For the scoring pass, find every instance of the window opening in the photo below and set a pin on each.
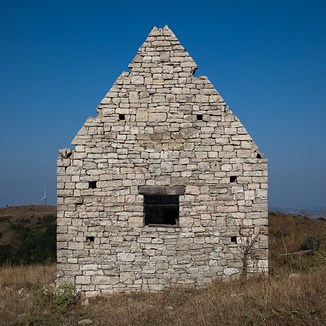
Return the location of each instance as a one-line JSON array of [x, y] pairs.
[[161, 209], [233, 179], [90, 239], [259, 155], [199, 117], [92, 184], [233, 239], [122, 117]]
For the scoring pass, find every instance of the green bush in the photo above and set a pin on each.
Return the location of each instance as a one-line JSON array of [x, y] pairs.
[[310, 243], [5, 254], [32, 246], [61, 297], [65, 296]]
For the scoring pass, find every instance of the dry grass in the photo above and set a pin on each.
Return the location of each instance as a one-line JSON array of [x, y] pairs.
[[28, 277], [17, 287], [294, 294], [298, 299], [287, 233]]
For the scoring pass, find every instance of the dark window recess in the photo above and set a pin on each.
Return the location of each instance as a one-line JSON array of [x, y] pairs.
[[234, 239], [259, 155], [161, 209], [90, 239], [92, 184], [199, 117], [233, 178], [122, 117]]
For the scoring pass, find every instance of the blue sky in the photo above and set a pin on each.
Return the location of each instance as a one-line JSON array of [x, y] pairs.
[[267, 59]]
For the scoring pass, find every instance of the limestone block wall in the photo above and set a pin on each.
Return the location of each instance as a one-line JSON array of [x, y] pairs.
[[160, 131]]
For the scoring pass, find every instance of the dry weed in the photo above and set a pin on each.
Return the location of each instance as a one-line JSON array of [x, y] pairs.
[[296, 299], [17, 287], [293, 295], [24, 276]]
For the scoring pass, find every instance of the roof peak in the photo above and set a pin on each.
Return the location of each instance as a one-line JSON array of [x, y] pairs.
[[165, 31], [161, 47]]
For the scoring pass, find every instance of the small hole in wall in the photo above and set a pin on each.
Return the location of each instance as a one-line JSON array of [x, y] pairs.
[[199, 117], [233, 179], [122, 117], [79, 204], [92, 184], [90, 239], [234, 239], [259, 155]]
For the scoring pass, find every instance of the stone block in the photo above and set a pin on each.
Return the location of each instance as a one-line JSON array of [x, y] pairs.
[[127, 277], [126, 257], [156, 117], [83, 279], [138, 80]]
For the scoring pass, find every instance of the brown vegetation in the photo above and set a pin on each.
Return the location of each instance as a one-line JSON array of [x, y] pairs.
[[27, 234], [27, 214], [294, 293], [290, 234]]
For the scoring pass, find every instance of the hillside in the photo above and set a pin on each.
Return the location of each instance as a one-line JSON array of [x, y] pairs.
[[27, 234], [296, 242], [309, 212]]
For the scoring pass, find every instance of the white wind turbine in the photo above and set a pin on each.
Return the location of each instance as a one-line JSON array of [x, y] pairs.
[[44, 197]]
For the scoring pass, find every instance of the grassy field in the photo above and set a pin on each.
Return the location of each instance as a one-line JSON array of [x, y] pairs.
[[293, 294]]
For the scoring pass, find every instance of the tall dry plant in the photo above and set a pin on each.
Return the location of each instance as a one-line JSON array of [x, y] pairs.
[[247, 251], [26, 276]]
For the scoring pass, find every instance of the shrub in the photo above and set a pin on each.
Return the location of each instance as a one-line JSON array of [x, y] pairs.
[[65, 295], [310, 243], [61, 297]]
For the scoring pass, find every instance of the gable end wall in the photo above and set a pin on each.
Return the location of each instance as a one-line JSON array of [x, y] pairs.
[[103, 245]]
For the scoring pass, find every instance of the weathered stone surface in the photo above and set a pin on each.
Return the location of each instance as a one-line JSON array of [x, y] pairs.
[[126, 257], [156, 117], [85, 321], [65, 153], [160, 131]]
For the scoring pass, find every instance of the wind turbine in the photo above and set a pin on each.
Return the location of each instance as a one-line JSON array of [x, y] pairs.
[[44, 197]]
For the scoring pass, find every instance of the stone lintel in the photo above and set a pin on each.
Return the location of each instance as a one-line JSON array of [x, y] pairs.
[[156, 190]]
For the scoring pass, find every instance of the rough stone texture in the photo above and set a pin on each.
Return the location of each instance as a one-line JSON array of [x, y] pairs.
[[161, 129]]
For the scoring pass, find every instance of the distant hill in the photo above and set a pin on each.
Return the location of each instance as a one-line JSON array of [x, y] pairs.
[[309, 212], [28, 215], [27, 234]]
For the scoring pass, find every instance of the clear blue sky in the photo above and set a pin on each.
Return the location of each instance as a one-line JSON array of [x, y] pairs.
[[267, 59]]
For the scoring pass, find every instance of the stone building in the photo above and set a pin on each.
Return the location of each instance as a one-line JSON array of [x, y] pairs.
[[164, 187]]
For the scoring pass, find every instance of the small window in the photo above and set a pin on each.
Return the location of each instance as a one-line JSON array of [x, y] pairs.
[[199, 117], [92, 184], [122, 117], [161, 209], [90, 239], [233, 179], [234, 239]]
